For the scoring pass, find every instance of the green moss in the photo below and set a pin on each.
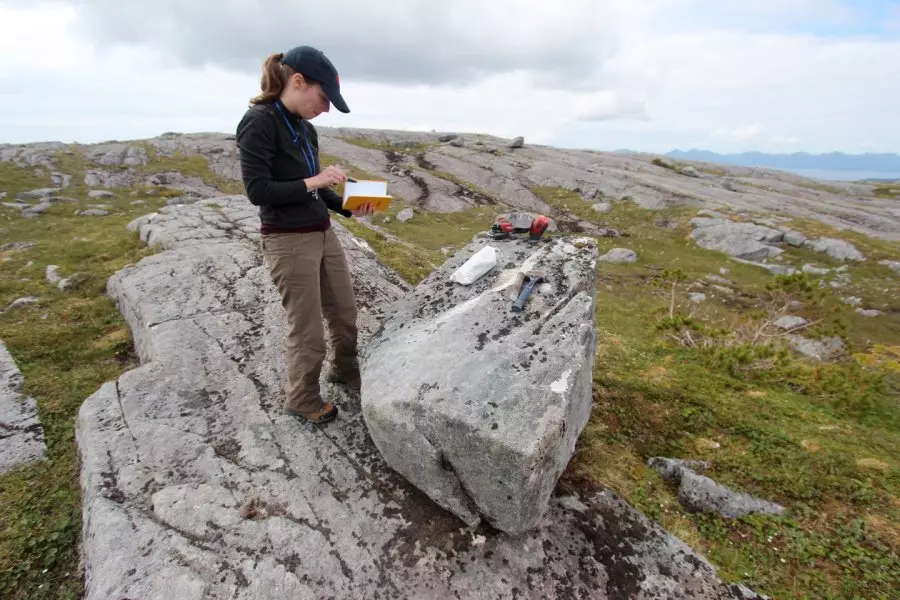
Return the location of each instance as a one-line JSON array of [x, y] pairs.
[[411, 262]]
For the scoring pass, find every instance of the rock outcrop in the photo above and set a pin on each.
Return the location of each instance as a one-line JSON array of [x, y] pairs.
[[479, 406], [699, 493], [196, 486], [21, 433]]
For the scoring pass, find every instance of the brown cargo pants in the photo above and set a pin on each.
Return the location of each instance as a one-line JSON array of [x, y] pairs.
[[312, 276]]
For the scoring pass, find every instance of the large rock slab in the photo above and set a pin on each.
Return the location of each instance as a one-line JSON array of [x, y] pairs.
[[196, 486], [479, 406], [747, 241], [21, 433]]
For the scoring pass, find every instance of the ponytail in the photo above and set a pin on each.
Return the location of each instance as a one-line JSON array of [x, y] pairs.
[[274, 76]]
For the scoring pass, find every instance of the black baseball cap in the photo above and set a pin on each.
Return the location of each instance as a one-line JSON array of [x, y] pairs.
[[311, 62]]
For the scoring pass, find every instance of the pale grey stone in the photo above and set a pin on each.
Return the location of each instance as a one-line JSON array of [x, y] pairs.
[[405, 215], [840, 281], [487, 439], [21, 433], [776, 269], [852, 300], [602, 207], [731, 186], [517, 142], [794, 238], [73, 281], [836, 249], [747, 241], [697, 297], [52, 274], [119, 179], [101, 194], [814, 270], [719, 280], [20, 302], [92, 212], [871, 312], [38, 194], [618, 256], [62, 180], [894, 265], [788, 322], [822, 350], [699, 493], [195, 486], [690, 171], [36, 209], [118, 154], [447, 138], [12, 246]]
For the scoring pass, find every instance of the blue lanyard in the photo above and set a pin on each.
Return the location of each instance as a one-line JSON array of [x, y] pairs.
[[295, 137]]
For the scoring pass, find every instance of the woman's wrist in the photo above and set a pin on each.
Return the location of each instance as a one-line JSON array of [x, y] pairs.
[[311, 183]]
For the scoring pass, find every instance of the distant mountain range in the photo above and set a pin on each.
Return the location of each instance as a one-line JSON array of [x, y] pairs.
[[833, 161]]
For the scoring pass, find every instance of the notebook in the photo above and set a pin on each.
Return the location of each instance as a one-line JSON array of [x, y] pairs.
[[359, 192]]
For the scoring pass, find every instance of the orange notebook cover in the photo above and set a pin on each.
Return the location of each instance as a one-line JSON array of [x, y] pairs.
[[357, 193]]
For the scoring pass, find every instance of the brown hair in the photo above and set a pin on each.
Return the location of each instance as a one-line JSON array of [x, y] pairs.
[[274, 76]]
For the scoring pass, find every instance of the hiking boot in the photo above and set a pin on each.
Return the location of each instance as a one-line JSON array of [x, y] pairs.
[[325, 414], [351, 380]]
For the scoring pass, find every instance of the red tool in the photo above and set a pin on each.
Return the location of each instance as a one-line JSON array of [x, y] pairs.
[[538, 227], [501, 229], [504, 228]]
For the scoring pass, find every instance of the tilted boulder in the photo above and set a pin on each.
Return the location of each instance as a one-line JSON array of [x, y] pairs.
[[479, 406]]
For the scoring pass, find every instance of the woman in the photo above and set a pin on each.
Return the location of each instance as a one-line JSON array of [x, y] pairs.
[[280, 169]]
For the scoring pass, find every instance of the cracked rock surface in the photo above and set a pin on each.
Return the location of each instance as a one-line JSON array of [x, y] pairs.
[[487, 438], [21, 433], [197, 487]]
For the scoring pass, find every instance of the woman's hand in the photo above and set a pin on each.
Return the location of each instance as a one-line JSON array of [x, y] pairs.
[[366, 209], [330, 176]]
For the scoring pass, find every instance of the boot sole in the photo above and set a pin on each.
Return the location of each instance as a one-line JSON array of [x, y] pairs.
[[320, 421]]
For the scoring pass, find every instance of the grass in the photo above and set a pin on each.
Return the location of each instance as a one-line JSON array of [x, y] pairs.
[[887, 191], [66, 346]]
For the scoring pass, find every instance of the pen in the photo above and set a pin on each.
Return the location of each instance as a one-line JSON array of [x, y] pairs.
[[351, 180]]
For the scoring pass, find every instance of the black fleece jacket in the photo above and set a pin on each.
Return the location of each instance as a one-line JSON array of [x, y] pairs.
[[273, 167]]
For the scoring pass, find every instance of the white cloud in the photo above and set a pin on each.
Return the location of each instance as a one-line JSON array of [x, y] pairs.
[[614, 74]]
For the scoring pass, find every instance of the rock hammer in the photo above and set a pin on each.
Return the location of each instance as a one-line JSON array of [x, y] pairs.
[[529, 281]]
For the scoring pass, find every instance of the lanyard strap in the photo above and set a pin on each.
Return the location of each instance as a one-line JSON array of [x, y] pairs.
[[295, 137]]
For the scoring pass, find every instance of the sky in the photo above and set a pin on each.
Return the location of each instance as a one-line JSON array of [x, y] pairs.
[[656, 75]]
